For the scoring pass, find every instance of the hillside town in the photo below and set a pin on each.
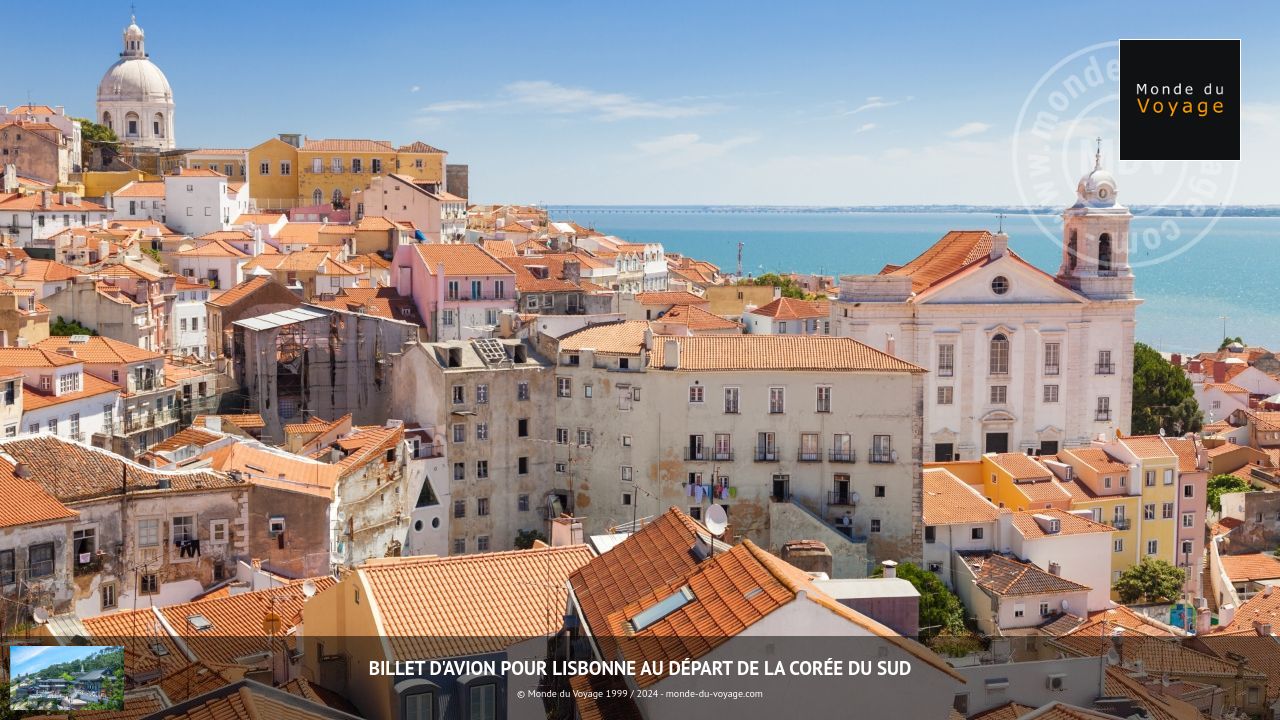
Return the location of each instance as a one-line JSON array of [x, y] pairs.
[[276, 414]]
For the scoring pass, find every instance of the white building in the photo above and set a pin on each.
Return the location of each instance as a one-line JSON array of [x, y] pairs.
[[140, 200], [956, 518], [1066, 544], [198, 202], [1018, 359], [42, 215], [187, 321], [59, 397], [134, 97], [789, 316]]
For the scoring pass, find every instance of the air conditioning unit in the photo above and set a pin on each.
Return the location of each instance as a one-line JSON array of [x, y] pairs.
[[935, 567], [1056, 682]]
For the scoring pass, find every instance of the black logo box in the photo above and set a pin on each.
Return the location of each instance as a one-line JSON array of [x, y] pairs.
[[1186, 69]]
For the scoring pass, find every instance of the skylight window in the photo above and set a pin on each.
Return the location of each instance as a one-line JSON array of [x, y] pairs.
[[663, 608], [199, 622]]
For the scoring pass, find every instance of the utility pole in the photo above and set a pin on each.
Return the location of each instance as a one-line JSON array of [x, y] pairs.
[[740, 243]]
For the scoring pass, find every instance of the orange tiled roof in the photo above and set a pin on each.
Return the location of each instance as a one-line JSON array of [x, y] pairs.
[[1226, 387], [267, 218], [27, 502], [434, 607], [1253, 566], [955, 251], [44, 271], [276, 468], [1260, 653], [1020, 466], [35, 201], [670, 297], [614, 338], [344, 145], [380, 302], [33, 357], [214, 248], [190, 436], [1263, 607], [142, 188], [697, 318], [235, 294], [420, 147], [1069, 524], [98, 349], [464, 259], [196, 172], [1008, 577], [776, 352], [1008, 711], [72, 472], [785, 308], [1097, 459], [1148, 447], [90, 386], [948, 500], [1187, 450], [244, 421]]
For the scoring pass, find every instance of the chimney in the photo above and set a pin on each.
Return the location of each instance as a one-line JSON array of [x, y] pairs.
[[1055, 569], [22, 470], [45, 198], [671, 354], [890, 345], [1219, 372], [10, 178], [1175, 359], [811, 556], [890, 568], [1263, 629], [999, 245], [104, 248]]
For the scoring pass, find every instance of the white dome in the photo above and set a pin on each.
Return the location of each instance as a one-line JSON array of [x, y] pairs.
[[135, 79], [1098, 187]]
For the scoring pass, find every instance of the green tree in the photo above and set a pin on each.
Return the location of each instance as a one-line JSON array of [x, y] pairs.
[[1151, 580], [789, 287], [1221, 484], [940, 610], [93, 136], [65, 328], [1162, 396], [526, 538], [1227, 341]]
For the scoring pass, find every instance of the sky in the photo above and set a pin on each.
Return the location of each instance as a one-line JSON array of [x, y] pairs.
[[804, 103], [27, 659]]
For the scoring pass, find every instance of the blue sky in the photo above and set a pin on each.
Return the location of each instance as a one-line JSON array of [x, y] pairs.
[[661, 102], [26, 659]]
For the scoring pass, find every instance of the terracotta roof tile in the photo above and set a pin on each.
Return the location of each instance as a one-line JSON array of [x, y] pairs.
[[785, 308], [142, 188], [72, 472], [44, 271], [187, 437], [274, 468], [1097, 459], [1069, 524], [98, 349], [464, 259], [90, 386], [420, 147], [435, 607], [1008, 577], [697, 318], [670, 297], [1008, 711], [956, 250], [235, 294], [1254, 566], [381, 302], [1148, 447], [614, 338], [1020, 466], [214, 248], [27, 502], [948, 500], [347, 145], [776, 352]]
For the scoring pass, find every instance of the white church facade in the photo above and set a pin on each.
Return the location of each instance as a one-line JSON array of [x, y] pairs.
[[134, 97], [1018, 360]]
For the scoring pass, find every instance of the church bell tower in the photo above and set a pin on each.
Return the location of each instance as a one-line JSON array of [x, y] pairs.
[[1095, 239]]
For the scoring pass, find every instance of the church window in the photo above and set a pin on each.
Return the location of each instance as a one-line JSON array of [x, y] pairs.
[[999, 355], [1071, 251], [317, 197], [1000, 285], [1104, 253]]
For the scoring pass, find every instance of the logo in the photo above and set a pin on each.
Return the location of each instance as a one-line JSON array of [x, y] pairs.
[[1070, 118], [1180, 99]]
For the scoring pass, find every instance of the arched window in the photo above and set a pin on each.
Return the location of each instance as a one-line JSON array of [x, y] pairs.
[[131, 125], [999, 360], [157, 125], [1071, 251], [106, 120], [337, 198], [1104, 253], [317, 197]]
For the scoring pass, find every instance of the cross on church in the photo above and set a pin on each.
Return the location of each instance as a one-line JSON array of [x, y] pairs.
[[1097, 157], [1000, 229]]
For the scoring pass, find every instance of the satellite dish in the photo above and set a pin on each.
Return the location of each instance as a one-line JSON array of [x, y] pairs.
[[309, 588], [40, 615], [717, 520]]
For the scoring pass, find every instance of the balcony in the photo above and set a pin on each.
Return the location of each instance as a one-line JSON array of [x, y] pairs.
[[695, 453], [432, 450], [842, 497], [722, 454], [842, 456], [880, 456], [1105, 369], [810, 455], [475, 298], [1119, 523], [89, 568], [1102, 416], [766, 454]]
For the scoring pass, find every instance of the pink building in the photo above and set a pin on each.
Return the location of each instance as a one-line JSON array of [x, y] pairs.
[[459, 290]]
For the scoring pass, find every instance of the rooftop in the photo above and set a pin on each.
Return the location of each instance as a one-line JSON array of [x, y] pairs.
[[948, 500]]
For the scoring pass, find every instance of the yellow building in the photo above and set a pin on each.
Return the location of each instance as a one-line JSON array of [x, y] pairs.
[[273, 174], [290, 171], [1151, 489]]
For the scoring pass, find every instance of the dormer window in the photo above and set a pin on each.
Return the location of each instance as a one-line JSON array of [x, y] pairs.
[[68, 383]]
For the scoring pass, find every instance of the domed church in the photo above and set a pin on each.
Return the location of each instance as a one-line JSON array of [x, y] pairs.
[[134, 97]]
